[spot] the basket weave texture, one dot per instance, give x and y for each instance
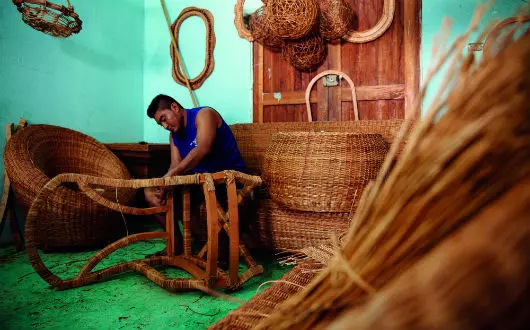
(281, 228)
(249, 314)
(45, 16)
(254, 139)
(322, 171)
(36, 154)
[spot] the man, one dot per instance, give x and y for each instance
(200, 141)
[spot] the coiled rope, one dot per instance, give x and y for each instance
(209, 62)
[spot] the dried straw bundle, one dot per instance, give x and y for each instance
(290, 19)
(336, 18)
(453, 166)
(261, 31)
(307, 53)
(483, 267)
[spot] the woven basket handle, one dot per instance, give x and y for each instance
(325, 73)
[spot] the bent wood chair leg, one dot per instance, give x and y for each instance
(206, 274)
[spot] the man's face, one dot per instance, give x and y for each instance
(169, 119)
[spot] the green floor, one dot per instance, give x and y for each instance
(128, 301)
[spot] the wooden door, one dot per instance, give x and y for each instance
(385, 71)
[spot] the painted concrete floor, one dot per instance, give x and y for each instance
(128, 301)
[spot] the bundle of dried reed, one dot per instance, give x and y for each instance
(476, 279)
(472, 146)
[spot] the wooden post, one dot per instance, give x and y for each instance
(234, 232)
(170, 225)
(213, 234)
(412, 41)
(186, 221)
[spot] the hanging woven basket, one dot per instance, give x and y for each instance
(291, 19)
(322, 171)
(305, 54)
(336, 18)
(260, 31)
(50, 18)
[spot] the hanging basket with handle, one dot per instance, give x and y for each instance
(322, 171)
(50, 18)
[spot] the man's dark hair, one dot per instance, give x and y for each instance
(160, 101)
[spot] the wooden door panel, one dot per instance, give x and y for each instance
(385, 72)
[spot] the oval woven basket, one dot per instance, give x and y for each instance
(322, 171)
(36, 154)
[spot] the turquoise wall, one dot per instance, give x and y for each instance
(91, 82)
(461, 12)
(228, 89)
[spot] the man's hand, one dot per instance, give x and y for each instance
(154, 196)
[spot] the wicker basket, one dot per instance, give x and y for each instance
(322, 171)
(281, 228)
(249, 314)
(40, 152)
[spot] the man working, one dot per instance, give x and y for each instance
(200, 141)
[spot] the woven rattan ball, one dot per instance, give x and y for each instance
(336, 18)
(260, 30)
(291, 19)
(55, 20)
(307, 53)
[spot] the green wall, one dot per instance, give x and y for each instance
(228, 89)
(91, 82)
(461, 12)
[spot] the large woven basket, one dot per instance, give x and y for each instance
(281, 228)
(36, 154)
(322, 171)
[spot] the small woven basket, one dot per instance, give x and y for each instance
(50, 18)
(322, 171)
(36, 154)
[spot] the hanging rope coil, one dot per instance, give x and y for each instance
(209, 62)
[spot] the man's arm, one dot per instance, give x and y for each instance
(175, 156)
(207, 122)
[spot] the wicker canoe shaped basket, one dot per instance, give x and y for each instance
(36, 154)
(322, 171)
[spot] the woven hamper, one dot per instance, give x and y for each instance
(36, 154)
(254, 139)
(281, 228)
(254, 310)
(322, 171)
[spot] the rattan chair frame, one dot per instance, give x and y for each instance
(206, 273)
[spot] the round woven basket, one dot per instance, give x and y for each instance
(305, 54)
(290, 19)
(281, 228)
(322, 171)
(336, 18)
(36, 154)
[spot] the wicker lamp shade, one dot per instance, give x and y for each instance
(50, 18)
(291, 19)
(307, 53)
(322, 171)
(260, 30)
(336, 18)
(36, 154)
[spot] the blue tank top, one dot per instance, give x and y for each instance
(224, 155)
